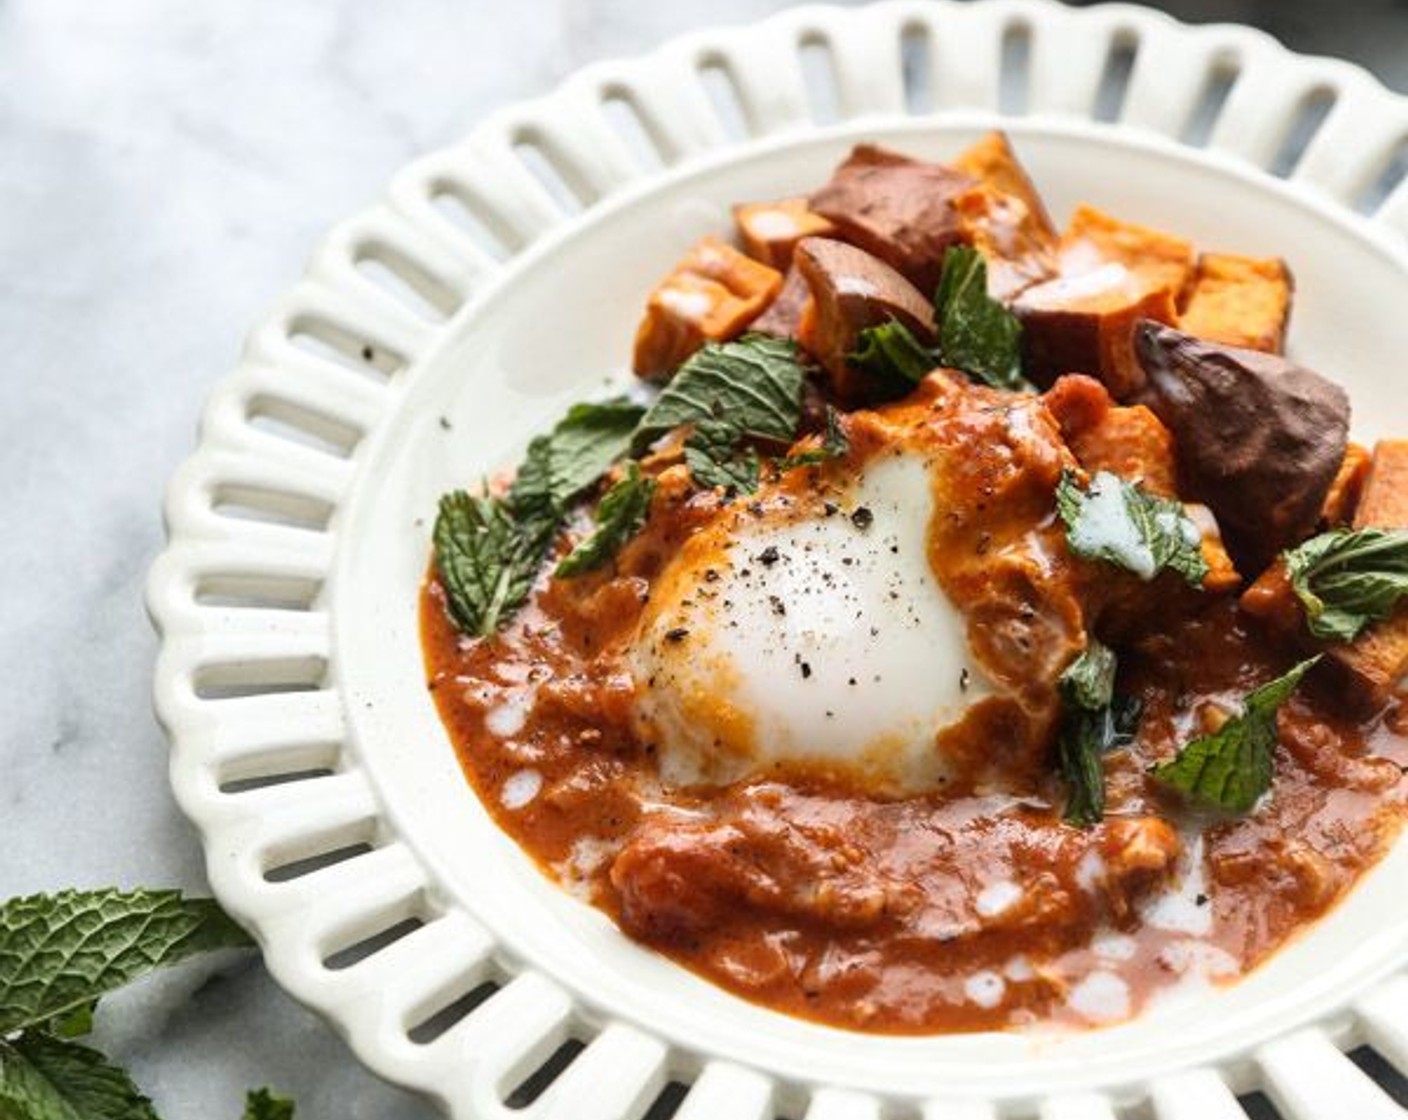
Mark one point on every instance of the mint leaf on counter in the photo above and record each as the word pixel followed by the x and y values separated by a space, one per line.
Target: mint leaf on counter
pixel 265 1104
pixel 754 385
pixel 1231 768
pixel 977 334
pixel 60 952
pixel 1124 525
pixel 619 517
pixel 890 353
pixel 46 1078
pixel 1348 578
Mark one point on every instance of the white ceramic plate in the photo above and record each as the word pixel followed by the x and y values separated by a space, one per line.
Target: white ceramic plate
pixel 500 281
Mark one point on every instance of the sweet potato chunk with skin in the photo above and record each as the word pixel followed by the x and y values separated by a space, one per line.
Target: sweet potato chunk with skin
pixel 711 296
pixel 1085 323
pixel 770 230
pixel 1242 301
pixel 1259 439
pixel 784 314
pixel 1004 217
pixel 896 208
pixel 852 290
pixel 1111 274
pixel 1378 659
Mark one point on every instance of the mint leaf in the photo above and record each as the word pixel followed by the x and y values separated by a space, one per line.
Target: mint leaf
pixel 488 550
pixel 1095 723
pixel 1089 680
pixel 1232 767
pixel 834 445
pixel 59 952
pixel 45 1078
pixel 977 334
pixel 714 457
pixel 581 447
pixel 890 352
pixel 265 1104
pixel 754 385
pixel 75 1023
pixel 619 517
pixel 487 563
pixel 1121 523
pixel 1348 578
pixel 1086 737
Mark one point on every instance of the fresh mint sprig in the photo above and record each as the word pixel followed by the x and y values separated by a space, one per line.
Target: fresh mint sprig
pixel 59 954
pixel 1348 578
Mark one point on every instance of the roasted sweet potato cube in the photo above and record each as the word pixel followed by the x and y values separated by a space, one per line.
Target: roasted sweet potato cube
pixel 852 290
pixel 1004 217
pixel 1343 498
pixel 1095 239
pixel 1085 324
pixel 1384 501
pixel 1128 441
pixel 1242 301
pixel 711 296
pixel 1378 659
pixel 896 208
pixel 770 230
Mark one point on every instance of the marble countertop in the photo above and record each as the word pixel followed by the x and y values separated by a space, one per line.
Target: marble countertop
pixel 167 168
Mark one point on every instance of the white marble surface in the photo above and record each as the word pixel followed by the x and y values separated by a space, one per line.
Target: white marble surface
pixel 165 168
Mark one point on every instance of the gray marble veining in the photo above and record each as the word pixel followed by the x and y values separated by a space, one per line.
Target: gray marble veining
pixel 165 168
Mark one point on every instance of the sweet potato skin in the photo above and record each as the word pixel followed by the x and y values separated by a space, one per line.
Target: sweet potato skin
pixel 1085 324
pixel 1111 275
pixel 1260 439
pixel 1241 301
pixel 852 290
pixel 783 316
pixel 710 296
pixel 895 208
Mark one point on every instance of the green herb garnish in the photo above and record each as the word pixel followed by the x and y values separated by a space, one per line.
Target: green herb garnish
pixel 1348 578
pixel 753 385
pixel 1121 523
pixel 1095 723
pixel 715 457
pixel 1232 767
pixel 618 518
pixel 890 353
pixel 834 445
pixel 489 550
pixel 977 334
pixel 487 559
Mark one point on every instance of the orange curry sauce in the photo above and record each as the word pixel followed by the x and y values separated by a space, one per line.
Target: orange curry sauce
pixel 973 906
